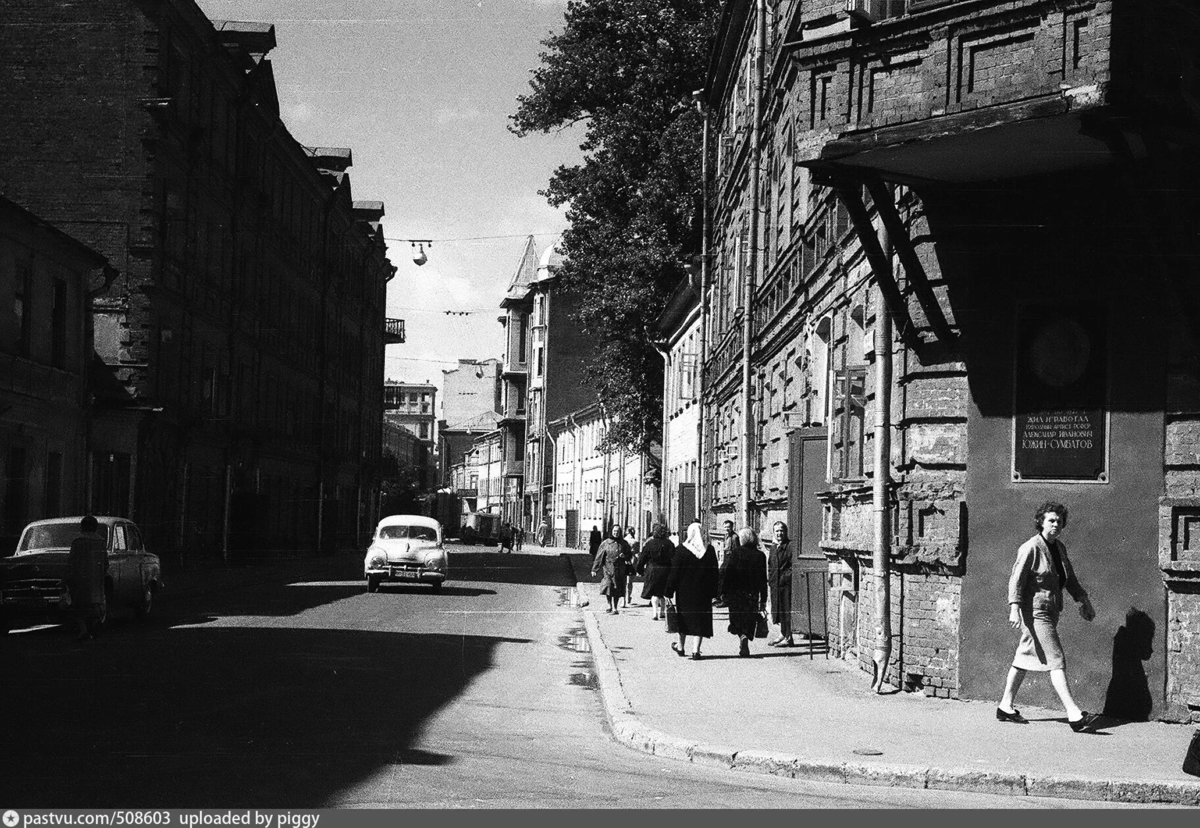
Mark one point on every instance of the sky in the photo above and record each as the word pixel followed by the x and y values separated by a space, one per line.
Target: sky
pixel 421 91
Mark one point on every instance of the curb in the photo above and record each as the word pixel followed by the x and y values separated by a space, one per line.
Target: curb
pixel 629 731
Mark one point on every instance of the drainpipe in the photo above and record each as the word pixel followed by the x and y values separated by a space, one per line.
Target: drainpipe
pixel 705 255
pixel 881 511
pixel 760 45
pixel 225 522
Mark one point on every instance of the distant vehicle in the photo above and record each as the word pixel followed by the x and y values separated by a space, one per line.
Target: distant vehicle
pixel 406 548
pixel 32 581
pixel 480 527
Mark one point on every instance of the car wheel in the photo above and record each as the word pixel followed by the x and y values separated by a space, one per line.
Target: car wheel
pixel 372 585
pixel 142 611
pixel 437 587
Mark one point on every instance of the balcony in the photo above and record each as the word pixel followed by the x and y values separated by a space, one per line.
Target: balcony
pixel 393 332
pixel 960 92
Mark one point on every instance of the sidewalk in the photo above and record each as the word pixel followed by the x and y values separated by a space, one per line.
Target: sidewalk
pixel 817 719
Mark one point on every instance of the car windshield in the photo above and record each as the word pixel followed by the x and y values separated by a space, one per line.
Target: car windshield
pixel 53 536
pixel 427 533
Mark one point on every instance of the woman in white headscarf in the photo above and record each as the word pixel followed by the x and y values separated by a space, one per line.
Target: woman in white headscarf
pixel 692 583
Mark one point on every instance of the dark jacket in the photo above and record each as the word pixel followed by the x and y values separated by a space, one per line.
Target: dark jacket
pixel 779 578
pixel 692 582
pixel 746 573
pixel 655 563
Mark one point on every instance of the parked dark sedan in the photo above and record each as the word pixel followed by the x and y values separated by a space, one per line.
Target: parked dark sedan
pixel 32 581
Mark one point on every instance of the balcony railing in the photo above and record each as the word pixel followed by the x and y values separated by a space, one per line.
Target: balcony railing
pixel 393 332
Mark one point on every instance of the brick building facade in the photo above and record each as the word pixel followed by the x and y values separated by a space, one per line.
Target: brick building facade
pixel 945 225
pixel 246 327
pixel 45 359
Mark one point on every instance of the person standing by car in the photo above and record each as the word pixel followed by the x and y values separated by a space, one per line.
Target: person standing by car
pixel 692 582
pixel 745 588
pixel 611 556
pixel 654 562
pixel 87 566
pixel 779 578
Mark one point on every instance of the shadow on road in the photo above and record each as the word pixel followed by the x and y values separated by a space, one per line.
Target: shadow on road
pixel 220 716
pixel 515 568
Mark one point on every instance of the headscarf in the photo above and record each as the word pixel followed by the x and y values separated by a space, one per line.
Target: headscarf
pixel 695 541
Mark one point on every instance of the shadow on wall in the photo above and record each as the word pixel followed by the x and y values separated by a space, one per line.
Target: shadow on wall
pixel 1128 695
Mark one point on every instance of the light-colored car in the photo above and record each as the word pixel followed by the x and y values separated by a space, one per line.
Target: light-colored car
pixel 407 548
pixel 32 581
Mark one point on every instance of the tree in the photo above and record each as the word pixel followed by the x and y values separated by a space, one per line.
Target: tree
pixel 628 68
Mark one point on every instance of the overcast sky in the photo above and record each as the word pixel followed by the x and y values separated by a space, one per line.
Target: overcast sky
pixel 421 91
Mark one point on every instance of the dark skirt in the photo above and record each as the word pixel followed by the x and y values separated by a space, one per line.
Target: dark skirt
pixel 655 585
pixel 743 613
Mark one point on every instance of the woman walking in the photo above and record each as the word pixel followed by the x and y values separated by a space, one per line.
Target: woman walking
pixel 779 579
pixel 654 563
pixel 745 588
pixel 610 559
pixel 1041 572
pixel 692 582
pixel 633 548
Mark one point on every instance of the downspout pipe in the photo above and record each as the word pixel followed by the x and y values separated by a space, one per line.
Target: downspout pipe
pixel 705 266
pixel 882 479
pixel 752 265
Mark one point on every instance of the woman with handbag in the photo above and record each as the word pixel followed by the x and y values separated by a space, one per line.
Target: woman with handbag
pixel 746 588
pixel 654 563
pixel 692 582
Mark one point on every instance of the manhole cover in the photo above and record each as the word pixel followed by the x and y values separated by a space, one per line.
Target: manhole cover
pixel 867 751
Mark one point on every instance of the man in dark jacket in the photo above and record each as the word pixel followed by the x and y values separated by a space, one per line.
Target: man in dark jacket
pixel 779 578
pixel 727 545
pixel 87 567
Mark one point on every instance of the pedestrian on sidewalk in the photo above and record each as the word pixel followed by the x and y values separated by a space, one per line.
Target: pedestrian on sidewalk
pixel 779 579
pixel 745 588
pixel 728 543
pixel 543 534
pixel 506 538
pixel 518 538
pixel 594 540
pixel 1041 572
pixel 692 582
pixel 87 567
pixel 654 562
pixel 610 560
pixel 635 548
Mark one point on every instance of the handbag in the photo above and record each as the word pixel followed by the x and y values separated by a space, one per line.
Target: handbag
pixel 672 619
pixel 1191 761
pixel 761 630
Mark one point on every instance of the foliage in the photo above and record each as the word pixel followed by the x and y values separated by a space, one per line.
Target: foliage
pixel 628 68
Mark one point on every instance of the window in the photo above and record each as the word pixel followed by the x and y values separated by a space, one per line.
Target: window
pixel 849 407
pixel 23 307
pixel 54 467
pixel 58 326
pixel 522 338
pixel 424 431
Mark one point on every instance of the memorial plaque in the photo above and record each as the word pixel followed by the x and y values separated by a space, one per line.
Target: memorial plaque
pixel 1060 419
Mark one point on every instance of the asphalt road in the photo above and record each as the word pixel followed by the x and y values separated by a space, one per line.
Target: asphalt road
pixel 308 692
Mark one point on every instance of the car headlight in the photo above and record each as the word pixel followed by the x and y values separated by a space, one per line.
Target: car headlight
pixel 437 560
pixel 376 559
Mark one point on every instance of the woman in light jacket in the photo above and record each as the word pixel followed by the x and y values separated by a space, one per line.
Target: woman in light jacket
pixel 1041 572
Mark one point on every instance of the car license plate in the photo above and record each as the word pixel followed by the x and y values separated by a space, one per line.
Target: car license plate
pixel 406 574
